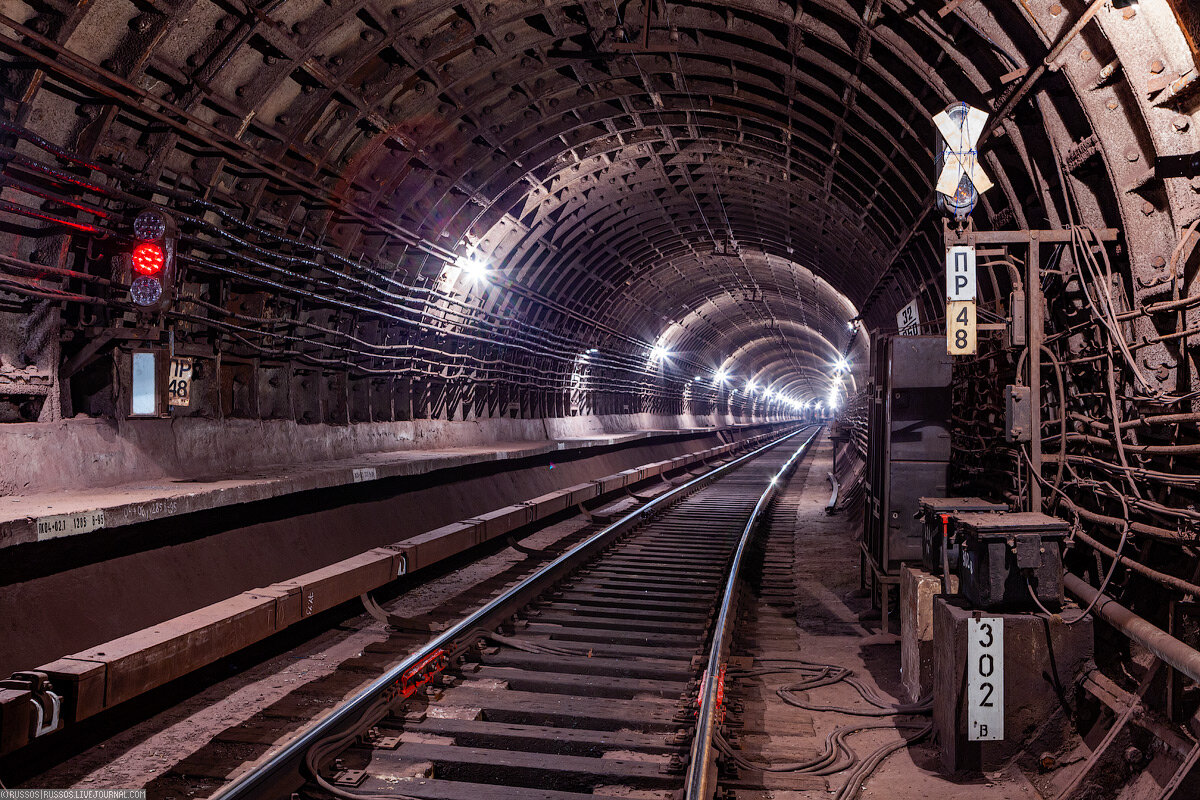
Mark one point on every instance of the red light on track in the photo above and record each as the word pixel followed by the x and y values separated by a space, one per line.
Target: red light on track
pixel 148 258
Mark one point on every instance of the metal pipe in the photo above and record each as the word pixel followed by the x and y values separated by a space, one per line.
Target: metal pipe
pixel 831 506
pixel 1147 634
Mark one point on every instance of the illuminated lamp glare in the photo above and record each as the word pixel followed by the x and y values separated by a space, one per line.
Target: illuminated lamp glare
pixel 472 266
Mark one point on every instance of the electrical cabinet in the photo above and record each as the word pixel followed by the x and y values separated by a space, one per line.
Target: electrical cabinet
pixel 908 445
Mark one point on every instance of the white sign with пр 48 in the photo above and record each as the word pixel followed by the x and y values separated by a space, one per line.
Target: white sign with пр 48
pixel 960 272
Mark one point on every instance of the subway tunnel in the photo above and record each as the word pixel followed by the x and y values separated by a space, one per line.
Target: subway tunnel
pixel 303 301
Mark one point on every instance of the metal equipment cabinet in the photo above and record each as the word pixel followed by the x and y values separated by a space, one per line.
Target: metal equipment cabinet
pixel 908 450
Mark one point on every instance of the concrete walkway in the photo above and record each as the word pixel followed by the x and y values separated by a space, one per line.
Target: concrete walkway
pixel 824 625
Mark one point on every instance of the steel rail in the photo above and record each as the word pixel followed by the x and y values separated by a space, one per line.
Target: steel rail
pixel 701 781
pixel 281 773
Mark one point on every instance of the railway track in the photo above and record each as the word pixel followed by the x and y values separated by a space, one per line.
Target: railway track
pixel 601 674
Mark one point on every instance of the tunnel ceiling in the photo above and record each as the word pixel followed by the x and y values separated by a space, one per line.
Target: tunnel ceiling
pixel 732 182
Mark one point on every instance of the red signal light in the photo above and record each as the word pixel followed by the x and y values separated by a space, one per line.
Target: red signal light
pixel 148 258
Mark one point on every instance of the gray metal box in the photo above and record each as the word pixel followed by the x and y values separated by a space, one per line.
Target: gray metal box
pixel 919 402
pixel 1018 414
pixel 910 480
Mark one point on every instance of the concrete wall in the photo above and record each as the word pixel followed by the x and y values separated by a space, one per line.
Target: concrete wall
pixel 84 453
pixel 74 593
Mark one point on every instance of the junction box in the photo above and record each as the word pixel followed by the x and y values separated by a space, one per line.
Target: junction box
pixel 1005 557
pixel 931 512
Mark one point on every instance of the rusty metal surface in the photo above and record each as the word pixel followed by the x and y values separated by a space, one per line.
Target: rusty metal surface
pixel 776 161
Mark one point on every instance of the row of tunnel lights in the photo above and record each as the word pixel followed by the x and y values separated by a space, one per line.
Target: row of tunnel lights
pixel 722 377
pixel 477 270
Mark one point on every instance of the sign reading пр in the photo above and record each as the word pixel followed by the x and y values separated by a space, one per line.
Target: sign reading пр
pixel 960 272
pixel 960 301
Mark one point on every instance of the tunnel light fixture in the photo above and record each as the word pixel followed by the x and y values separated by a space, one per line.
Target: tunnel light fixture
pixel 751 386
pixel 659 353
pixel 841 365
pixel 721 376
pixel 473 267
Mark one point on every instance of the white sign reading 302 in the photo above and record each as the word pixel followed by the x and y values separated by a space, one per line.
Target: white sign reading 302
pixel 985 679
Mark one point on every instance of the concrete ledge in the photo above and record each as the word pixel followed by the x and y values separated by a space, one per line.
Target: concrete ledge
pixel 86 453
pixel 918 589
pixel 51 515
pixel 118 670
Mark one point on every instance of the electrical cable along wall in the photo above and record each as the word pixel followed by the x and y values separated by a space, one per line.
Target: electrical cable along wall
pixel 355 339
pixel 1119 435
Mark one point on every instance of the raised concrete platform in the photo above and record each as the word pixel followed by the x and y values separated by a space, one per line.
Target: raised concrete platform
pixel 39 516
pixel 111 672
pixel 77 591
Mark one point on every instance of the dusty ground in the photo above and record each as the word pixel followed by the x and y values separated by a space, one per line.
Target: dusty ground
pixel 825 626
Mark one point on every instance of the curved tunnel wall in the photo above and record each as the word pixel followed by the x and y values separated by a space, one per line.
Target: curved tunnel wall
pixel 733 183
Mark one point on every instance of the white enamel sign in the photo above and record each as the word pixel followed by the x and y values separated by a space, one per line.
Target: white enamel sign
pixel 960 272
pixel 908 321
pixel 985 679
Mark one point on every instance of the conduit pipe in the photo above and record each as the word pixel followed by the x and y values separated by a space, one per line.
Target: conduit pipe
pixel 1147 634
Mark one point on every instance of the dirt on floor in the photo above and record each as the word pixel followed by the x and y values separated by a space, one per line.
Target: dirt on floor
pixel 831 622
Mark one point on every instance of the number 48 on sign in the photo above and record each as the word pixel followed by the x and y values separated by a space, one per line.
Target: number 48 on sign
pixel 960 301
pixel 961 339
pixel 179 385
